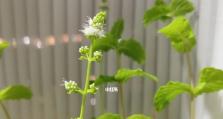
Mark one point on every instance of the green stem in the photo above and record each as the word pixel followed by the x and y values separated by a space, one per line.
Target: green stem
pixel 5 110
pixel 84 96
pixel 192 81
pixel 120 86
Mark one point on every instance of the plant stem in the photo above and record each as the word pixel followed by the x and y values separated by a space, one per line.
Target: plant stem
pixel 192 81
pixel 5 110
pixel 84 96
pixel 120 86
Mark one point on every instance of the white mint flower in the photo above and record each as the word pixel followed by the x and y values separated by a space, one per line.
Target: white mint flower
pixel 94 27
pixel 70 85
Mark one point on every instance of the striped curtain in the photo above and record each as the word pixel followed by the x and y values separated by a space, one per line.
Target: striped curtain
pixel 44 37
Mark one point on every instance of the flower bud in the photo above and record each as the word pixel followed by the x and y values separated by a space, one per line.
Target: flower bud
pixel 98 55
pixel 84 50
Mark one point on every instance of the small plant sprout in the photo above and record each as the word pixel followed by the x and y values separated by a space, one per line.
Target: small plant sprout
pixel 93 30
pixel 179 32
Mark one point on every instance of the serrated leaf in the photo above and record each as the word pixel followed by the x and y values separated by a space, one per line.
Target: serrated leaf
pixel 3 46
pixel 125 74
pixel 104 79
pixel 132 49
pixel 109 116
pixel 117 29
pixel 168 92
pixel 105 44
pixel 181 7
pixel 180 34
pixel 157 12
pixel 15 92
pixel 138 116
pixel 211 80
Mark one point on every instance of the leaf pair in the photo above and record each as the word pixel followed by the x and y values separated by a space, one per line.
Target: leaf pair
pixel 116 116
pixel 124 75
pixel 15 92
pixel 211 80
pixel 113 40
pixel 163 11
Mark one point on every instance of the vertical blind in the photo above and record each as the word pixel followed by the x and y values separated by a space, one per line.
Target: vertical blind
pixel 44 37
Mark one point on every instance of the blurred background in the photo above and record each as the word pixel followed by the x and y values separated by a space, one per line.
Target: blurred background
pixel 44 41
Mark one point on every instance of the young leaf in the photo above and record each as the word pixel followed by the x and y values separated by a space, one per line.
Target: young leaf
pixel 138 116
pixel 109 116
pixel 3 45
pixel 125 74
pixel 211 80
pixel 132 49
pixel 180 33
pixel 168 92
pixel 104 79
pixel 117 29
pixel 157 12
pixel 181 7
pixel 15 92
pixel 105 44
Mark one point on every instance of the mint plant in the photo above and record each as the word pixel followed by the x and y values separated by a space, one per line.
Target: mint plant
pixel 13 92
pixel 183 40
pixel 129 47
pixel 93 31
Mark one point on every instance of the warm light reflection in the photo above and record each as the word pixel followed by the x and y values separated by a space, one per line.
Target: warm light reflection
pixel 77 38
pixel 51 40
pixel 65 38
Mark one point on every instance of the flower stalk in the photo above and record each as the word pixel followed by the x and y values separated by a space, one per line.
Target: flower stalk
pixel 84 96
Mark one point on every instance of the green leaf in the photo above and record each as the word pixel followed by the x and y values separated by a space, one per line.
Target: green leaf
pixel 117 29
pixel 157 12
pixel 15 92
pixel 180 33
pixel 3 46
pixel 109 116
pixel 138 116
pixel 104 79
pixel 211 80
pixel 105 44
pixel 125 74
pixel 181 7
pixel 132 49
pixel 168 92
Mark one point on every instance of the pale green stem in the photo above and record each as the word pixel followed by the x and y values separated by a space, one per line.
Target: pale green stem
pixel 192 81
pixel 120 92
pixel 84 96
pixel 5 111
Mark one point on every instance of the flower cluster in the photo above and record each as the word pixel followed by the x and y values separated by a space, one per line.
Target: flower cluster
pixel 94 27
pixel 97 56
pixel 84 51
pixel 71 87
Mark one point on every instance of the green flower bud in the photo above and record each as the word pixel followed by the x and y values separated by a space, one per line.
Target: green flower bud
pixel 99 20
pixel 84 50
pixel 97 55
pixel 70 86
